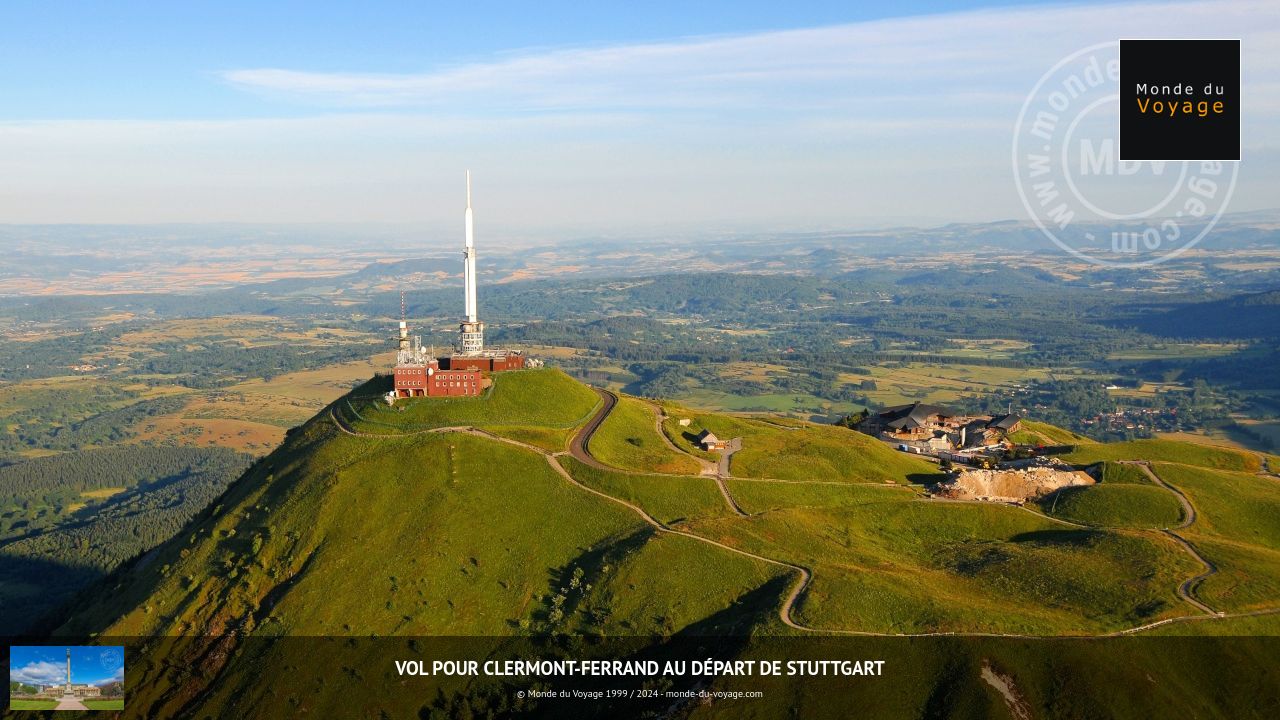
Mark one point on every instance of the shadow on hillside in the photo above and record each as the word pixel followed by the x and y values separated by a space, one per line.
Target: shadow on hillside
pixel 1074 538
pixel 926 478
pixel 746 613
pixel 33 591
pixel 570 581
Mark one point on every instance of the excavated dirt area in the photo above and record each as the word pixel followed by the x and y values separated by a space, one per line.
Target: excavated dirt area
pixel 1012 486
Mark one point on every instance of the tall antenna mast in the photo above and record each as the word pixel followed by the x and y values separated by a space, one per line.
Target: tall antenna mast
pixel 402 317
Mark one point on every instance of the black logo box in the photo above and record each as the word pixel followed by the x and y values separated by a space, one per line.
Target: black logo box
pixel 1205 73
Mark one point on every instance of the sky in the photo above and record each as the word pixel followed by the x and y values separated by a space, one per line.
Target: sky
pixel 47 665
pixel 574 118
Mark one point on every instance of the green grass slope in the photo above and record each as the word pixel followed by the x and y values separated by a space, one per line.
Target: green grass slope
pixel 628 439
pixel 668 499
pixel 544 398
pixel 1115 473
pixel 802 452
pixel 1119 505
pixel 380 535
pixel 1237 529
pixel 885 560
pixel 421 534
pixel 1166 451
pixel 1037 433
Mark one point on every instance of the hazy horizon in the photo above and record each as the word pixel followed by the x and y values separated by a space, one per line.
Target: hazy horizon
pixel 829 121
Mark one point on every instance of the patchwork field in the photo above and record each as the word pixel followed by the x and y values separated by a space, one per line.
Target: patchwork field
pixel 801 403
pixel 899 383
pixel 244 435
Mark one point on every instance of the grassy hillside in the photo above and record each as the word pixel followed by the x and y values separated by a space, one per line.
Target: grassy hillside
pixel 360 536
pixel 1118 505
pixel 627 439
pixel 668 499
pixel 407 533
pixel 803 451
pixel 1237 529
pixel 1115 473
pixel 885 559
pixel 1166 451
pixel 542 398
pixel 1037 433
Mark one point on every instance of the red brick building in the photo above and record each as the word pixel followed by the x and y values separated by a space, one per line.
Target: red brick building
pixel 428 380
pixel 490 361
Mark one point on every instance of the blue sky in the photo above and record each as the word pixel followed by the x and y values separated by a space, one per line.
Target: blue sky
pixel 140 60
pixel 575 118
pixel 47 665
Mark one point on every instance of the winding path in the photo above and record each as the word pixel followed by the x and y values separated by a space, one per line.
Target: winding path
pixel 722 469
pixel 1188 586
pixel 579 449
pixel 578 444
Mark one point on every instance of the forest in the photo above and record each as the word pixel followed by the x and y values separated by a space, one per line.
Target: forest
pixel 68 519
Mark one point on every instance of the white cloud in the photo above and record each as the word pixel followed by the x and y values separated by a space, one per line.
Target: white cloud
pixel 904 120
pixel 40 673
pixel 959 56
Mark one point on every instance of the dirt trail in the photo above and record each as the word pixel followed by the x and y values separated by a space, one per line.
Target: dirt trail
pixel 1189 585
pixel 722 468
pixel 803 574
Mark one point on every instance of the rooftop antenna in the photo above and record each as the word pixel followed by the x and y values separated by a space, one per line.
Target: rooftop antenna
pixel 402 317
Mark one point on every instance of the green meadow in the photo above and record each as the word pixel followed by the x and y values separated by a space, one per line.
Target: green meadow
pixel 1166 451
pixel 1118 505
pixel 542 398
pixel 801 451
pixel 16 704
pixel 886 560
pixel 667 499
pixel 1237 529
pixel 627 439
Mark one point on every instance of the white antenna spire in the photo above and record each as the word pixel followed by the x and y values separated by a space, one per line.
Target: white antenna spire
pixel 469 259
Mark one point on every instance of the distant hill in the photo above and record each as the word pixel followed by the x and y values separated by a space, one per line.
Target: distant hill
pixel 1255 315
